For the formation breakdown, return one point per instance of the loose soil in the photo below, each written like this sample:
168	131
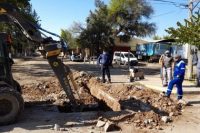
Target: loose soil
148	106
142	108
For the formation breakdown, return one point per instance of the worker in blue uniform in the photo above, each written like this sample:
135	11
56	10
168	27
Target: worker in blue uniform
105	61
178	77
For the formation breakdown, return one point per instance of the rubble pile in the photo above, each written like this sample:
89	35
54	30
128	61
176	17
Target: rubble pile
151	109
51	90
148	109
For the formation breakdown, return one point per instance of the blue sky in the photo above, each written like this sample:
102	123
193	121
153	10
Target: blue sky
60	14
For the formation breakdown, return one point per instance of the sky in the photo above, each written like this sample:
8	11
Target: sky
60	14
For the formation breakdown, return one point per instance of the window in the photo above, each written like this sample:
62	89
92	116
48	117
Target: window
117	54
130	55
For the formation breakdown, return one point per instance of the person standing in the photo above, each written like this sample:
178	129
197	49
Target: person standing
105	60
166	66
196	66
178	77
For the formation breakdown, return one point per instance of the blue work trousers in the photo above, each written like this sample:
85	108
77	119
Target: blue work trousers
105	69
178	82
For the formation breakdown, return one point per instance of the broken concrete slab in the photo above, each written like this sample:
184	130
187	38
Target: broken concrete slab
97	90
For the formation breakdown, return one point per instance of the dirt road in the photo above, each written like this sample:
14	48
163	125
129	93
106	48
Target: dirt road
41	117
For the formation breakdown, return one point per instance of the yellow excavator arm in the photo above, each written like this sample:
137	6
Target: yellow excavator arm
52	48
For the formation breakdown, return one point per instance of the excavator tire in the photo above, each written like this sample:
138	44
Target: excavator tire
11	105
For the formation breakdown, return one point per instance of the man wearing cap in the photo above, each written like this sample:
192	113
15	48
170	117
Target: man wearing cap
166	66
178	77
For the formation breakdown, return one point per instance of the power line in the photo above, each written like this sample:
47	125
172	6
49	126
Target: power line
170	12
177	4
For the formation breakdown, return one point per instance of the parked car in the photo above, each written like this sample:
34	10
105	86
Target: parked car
122	57
77	58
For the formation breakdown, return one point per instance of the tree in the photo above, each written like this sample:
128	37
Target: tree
68	37
128	18
156	37
26	11
188	33
98	32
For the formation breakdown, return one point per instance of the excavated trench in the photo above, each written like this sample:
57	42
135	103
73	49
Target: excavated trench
146	106
99	106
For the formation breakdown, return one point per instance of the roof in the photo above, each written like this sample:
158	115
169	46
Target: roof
132	42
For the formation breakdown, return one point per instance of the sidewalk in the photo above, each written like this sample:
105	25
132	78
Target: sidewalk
154	82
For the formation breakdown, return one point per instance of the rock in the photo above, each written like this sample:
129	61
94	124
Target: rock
169	103
150	127
56	127
128	97
100	123
98	78
159	128
82	73
150	120
137	121
81	90
171	114
110	126
165	119
146	121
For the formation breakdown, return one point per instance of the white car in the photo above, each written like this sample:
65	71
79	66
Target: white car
122	57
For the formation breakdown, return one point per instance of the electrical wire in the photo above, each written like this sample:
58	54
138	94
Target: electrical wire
177	4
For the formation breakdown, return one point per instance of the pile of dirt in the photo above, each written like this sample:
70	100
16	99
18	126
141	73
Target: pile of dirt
43	91
149	109
52	91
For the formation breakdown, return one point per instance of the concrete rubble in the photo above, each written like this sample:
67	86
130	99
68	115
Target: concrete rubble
147	109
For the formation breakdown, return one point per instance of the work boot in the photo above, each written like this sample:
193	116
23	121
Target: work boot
109	80
163	94
183	102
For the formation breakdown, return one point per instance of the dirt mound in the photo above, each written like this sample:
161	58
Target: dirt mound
42	91
149	108
52	91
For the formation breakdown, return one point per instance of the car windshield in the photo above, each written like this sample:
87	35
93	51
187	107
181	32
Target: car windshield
130	55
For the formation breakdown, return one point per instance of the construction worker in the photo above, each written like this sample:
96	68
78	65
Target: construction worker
105	60
196	66
166	61
178	77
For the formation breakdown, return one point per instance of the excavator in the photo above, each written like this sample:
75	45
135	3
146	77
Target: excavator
11	101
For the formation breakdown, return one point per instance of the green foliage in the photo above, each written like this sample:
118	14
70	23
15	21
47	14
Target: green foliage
188	33
156	37
98	32
18	38
67	36
129	18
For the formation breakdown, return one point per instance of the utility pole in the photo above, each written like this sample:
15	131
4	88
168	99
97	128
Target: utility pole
189	53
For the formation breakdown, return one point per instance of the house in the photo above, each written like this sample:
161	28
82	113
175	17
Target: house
127	46
158	47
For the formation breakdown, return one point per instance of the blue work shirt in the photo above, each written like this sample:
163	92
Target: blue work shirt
104	59
179	69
